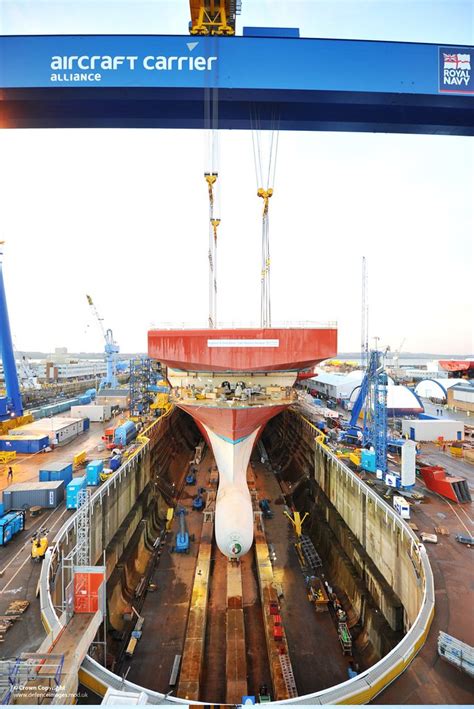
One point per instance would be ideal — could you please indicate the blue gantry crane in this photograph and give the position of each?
(111, 350)
(11, 405)
(372, 398)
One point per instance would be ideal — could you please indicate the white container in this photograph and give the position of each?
(93, 412)
(401, 506)
(391, 480)
(432, 429)
(408, 472)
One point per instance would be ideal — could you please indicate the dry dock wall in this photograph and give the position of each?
(117, 507)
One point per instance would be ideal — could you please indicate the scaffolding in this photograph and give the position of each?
(32, 675)
(144, 373)
(83, 545)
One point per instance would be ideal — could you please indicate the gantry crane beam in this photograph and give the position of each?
(213, 16)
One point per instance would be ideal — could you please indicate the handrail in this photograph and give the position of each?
(283, 325)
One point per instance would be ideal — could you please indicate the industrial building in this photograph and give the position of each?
(60, 430)
(334, 386)
(461, 396)
(433, 429)
(114, 397)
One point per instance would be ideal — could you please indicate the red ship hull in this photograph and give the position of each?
(245, 350)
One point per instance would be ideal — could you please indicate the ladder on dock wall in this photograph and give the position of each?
(288, 676)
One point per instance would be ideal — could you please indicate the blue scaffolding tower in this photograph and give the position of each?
(375, 431)
(144, 373)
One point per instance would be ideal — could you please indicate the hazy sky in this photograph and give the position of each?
(122, 214)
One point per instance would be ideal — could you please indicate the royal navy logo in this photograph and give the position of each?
(455, 74)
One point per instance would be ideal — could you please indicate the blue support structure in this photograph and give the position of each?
(11, 406)
(146, 81)
(379, 429)
(372, 398)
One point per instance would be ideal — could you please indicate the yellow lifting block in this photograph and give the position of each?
(265, 195)
(215, 223)
(211, 178)
(79, 459)
(6, 457)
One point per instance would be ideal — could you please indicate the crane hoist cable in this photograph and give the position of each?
(211, 174)
(265, 189)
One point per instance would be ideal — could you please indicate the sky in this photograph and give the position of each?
(123, 214)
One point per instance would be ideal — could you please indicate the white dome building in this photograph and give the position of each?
(436, 388)
(401, 401)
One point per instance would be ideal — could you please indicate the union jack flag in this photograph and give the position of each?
(457, 61)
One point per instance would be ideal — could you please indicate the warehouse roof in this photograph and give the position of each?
(466, 386)
(400, 399)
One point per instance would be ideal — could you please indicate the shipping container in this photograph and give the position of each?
(87, 424)
(401, 506)
(11, 524)
(367, 460)
(125, 433)
(93, 471)
(56, 471)
(432, 430)
(24, 444)
(93, 412)
(73, 490)
(84, 399)
(41, 494)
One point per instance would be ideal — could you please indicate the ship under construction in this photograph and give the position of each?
(217, 522)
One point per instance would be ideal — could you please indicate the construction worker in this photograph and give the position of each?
(10, 475)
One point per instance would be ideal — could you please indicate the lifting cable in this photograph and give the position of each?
(265, 191)
(211, 174)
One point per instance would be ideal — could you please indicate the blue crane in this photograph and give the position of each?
(372, 398)
(111, 350)
(11, 405)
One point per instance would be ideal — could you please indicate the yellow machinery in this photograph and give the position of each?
(213, 16)
(161, 402)
(39, 545)
(7, 457)
(169, 518)
(79, 459)
(354, 457)
(6, 426)
(296, 521)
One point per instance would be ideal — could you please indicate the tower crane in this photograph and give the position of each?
(111, 350)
